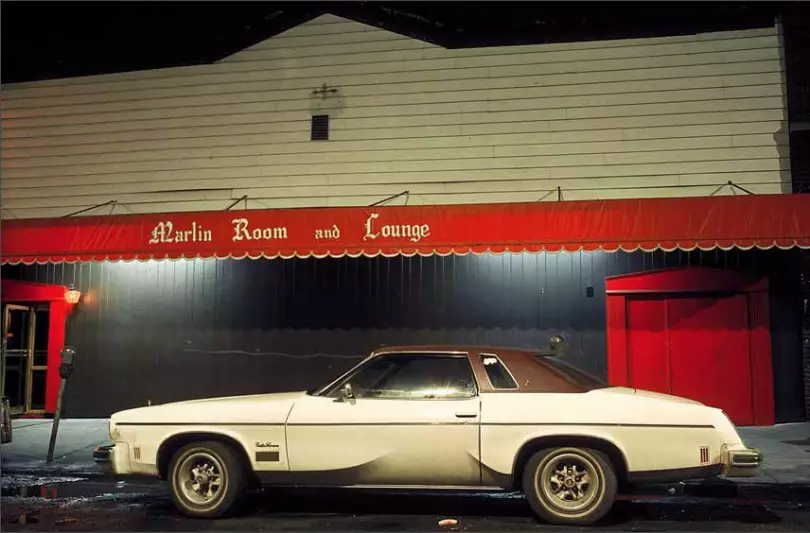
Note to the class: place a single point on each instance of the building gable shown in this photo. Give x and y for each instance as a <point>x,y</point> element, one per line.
<point>326,35</point>
<point>652,117</point>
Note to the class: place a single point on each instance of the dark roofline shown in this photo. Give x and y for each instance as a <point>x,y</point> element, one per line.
<point>43,40</point>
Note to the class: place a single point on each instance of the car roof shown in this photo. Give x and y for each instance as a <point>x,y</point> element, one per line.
<point>439,349</point>
<point>522,363</point>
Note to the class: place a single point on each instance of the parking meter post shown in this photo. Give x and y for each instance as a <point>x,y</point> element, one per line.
<point>56,417</point>
<point>65,370</point>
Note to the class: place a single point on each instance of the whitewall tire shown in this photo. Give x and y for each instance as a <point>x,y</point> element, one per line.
<point>207,479</point>
<point>570,486</point>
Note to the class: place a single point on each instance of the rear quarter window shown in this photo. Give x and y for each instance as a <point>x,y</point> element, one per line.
<point>499,376</point>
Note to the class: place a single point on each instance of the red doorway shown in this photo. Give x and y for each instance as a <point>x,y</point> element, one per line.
<point>34,353</point>
<point>694,332</point>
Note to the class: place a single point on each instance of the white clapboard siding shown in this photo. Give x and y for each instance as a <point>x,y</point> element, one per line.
<point>671,116</point>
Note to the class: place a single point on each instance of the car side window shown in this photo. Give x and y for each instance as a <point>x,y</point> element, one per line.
<point>499,376</point>
<point>415,377</point>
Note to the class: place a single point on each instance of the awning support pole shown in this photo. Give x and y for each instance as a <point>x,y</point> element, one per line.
<point>394,197</point>
<point>558,190</point>
<point>236,202</point>
<point>734,186</point>
<point>86,209</point>
<point>743,189</point>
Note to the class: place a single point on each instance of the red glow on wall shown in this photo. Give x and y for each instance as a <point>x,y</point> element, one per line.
<point>25,292</point>
<point>694,332</point>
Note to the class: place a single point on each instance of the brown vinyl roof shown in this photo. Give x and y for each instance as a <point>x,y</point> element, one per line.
<point>462,348</point>
<point>531,374</point>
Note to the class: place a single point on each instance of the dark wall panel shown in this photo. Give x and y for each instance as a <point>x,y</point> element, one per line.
<point>174,330</point>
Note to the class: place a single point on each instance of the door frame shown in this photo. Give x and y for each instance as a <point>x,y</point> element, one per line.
<point>685,280</point>
<point>27,365</point>
<point>30,293</point>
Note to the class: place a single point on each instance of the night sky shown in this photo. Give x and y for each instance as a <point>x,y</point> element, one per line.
<point>42,40</point>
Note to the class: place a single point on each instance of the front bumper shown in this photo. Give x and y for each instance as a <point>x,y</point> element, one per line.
<point>103,456</point>
<point>742,462</point>
<point>115,460</point>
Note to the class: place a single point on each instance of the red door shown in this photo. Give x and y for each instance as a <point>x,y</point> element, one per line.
<point>710,353</point>
<point>647,344</point>
<point>695,332</point>
<point>696,347</point>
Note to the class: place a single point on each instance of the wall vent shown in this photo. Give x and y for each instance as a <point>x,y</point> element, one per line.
<point>320,128</point>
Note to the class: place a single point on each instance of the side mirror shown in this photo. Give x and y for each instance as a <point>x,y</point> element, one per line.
<point>346,392</point>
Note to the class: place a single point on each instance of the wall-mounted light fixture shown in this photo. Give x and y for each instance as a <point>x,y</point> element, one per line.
<point>72,295</point>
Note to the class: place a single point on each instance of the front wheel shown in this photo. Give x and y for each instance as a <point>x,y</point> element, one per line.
<point>570,486</point>
<point>207,479</point>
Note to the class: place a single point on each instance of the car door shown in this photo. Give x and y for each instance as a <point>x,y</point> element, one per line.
<point>413,421</point>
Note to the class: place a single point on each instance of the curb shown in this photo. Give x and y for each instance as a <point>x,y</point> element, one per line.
<point>798,492</point>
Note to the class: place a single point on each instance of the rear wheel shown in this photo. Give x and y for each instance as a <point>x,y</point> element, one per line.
<point>207,479</point>
<point>570,486</point>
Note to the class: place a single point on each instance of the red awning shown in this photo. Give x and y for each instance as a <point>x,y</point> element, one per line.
<point>706,223</point>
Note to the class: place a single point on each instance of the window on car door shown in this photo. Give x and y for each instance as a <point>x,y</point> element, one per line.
<point>415,376</point>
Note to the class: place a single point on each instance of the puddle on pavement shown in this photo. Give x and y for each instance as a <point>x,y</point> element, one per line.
<point>70,488</point>
<point>803,443</point>
<point>24,518</point>
<point>10,482</point>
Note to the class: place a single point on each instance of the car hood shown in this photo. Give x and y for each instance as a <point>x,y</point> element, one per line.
<point>646,394</point>
<point>232,410</point>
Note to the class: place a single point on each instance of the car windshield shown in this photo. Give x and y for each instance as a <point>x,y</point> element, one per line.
<point>324,389</point>
<point>571,373</point>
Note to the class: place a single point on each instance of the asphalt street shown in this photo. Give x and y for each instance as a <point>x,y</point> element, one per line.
<point>35,503</point>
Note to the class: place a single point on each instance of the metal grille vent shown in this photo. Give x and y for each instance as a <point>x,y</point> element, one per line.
<point>320,128</point>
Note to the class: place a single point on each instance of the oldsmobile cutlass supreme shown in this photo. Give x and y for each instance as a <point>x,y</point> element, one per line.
<point>434,417</point>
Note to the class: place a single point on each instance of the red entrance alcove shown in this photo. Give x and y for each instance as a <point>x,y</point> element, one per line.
<point>695,332</point>
<point>25,292</point>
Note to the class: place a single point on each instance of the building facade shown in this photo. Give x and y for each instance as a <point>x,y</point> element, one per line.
<point>504,190</point>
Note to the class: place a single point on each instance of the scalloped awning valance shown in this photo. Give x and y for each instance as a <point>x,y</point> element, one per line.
<point>706,223</point>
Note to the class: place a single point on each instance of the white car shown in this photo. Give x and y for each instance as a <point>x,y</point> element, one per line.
<point>433,417</point>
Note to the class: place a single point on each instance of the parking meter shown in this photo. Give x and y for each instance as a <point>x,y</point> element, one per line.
<point>66,366</point>
<point>65,371</point>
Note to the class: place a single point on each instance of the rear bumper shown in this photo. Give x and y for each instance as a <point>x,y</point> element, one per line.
<point>741,462</point>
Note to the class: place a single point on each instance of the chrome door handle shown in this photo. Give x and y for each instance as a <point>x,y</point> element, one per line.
<point>466,415</point>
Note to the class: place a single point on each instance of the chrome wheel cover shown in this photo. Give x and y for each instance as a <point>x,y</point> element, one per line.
<point>569,482</point>
<point>201,479</point>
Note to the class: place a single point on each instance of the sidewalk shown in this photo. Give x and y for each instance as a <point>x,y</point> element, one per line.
<point>73,454</point>
<point>786,448</point>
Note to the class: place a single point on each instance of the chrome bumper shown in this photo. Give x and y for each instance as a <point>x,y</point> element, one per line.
<point>742,463</point>
<point>104,458</point>
<point>114,459</point>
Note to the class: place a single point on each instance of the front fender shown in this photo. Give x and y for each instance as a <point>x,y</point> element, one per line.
<point>170,441</point>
